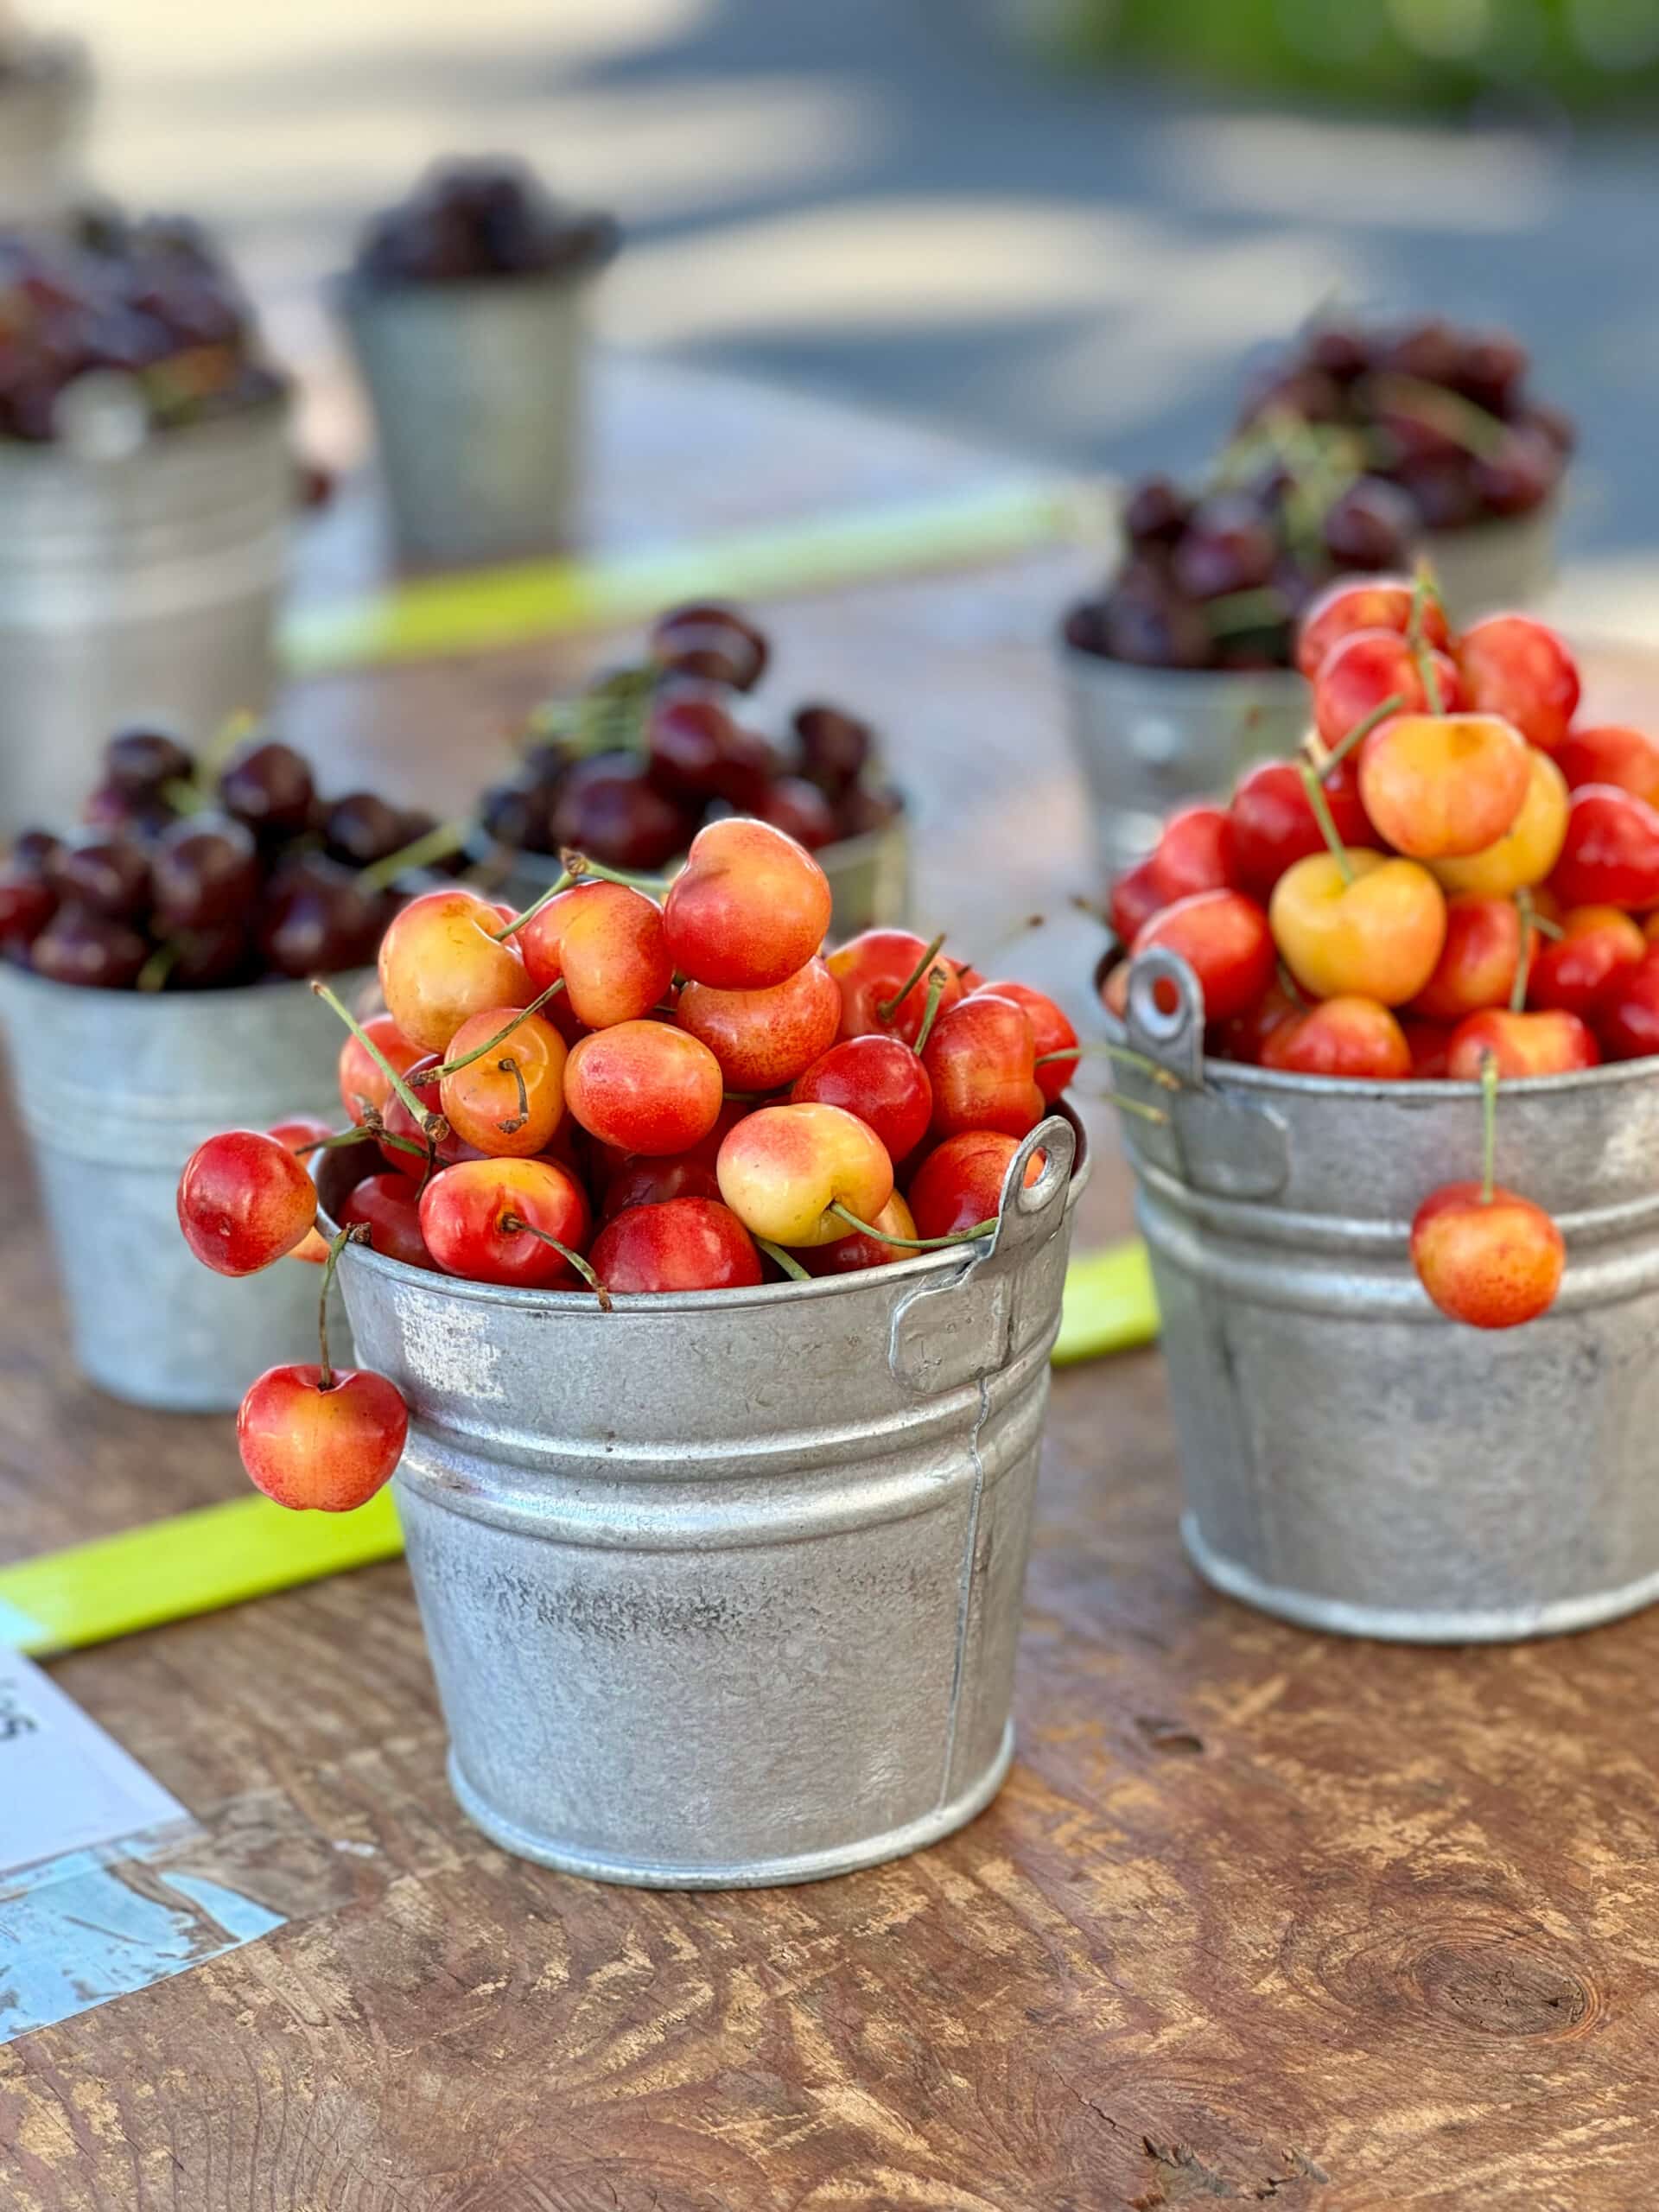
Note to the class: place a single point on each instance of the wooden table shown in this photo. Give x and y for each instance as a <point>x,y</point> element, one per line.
<point>1260,1915</point>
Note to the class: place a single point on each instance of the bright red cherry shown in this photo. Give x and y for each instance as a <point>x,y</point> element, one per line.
<point>1519,669</point>
<point>677,1244</point>
<point>881,1080</point>
<point>981,1061</point>
<point>325,1449</point>
<point>959,1184</point>
<point>245,1200</point>
<point>750,906</point>
<point>505,1221</point>
<point>387,1207</point>
<point>873,969</point>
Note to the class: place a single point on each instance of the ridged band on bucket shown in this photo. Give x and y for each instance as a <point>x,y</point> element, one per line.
<point>723,1589</point>
<point>478,390</point>
<point>138,586</point>
<point>115,1091</point>
<point>868,876</point>
<point>1352,1459</point>
<point>1151,739</point>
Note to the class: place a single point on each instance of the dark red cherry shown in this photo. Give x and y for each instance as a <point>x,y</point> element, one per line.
<point>139,761</point>
<point>90,950</point>
<point>205,872</point>
<point>710,640</point>
<point>835,747</point>
<point>106,874</point>
<point>267,786</point>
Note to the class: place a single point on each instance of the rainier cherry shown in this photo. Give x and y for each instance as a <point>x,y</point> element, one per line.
<point>1348,1037</point>
<point>792,1173</point>
<point>1373,932</point>
<point>981,1060</point>
<point>365,1087</point>
<point>959,1184</point>
<point>1052,1034</point>
<point>1610,855</point>
<point>748,908</point>
<point>1444,786</point>
<point>1364,603</point>
<point>675,1244</point>
<point>1483,1254</point>
<point>1610,754</point>
<point>881,1080</point>
<point>1528,848</point>
<point>607,942</point>
<point>1520,1043</point>
<point>764,1038</point>
<point>508,1221</point>
<point>1518,668</point>
<point>386,1206</point>
<point>1370,667</point>
<point>441,963</point>
<point>508,1101</point>
<point>1477,962</point>
<point>245,1200</point>
<point>1223,938</point>
<point>644,1086</point>
<point>303,1134</point>
<point>850,1255</point>
<point>1596,943</point>
<point>1196,851</point>
<point>884,977</point>
<point>1274,824</point>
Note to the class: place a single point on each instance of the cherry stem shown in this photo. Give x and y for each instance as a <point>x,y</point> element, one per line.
<point>1290,987</point>
<point>530,911</point>
<point>1361,730</point>
<point>377,1128</point>
<point>1316,799</point>
<point>359,1235</point>
<point>514,1122</point>
<point>1488,1124</point>
<point>513,1223</point>
<point>787,1260</point>
<point>436,844</point>
<point>912,1243</point>
<point>159,966</point>
<point>888,1008</point>
<point>479,1052</point>
<point>1134,1106</point>
<point>1523,956</point>
<point>1126,1053</point>
<point>577,866</point>
<point>937,982</point>
<point>433,1124</point>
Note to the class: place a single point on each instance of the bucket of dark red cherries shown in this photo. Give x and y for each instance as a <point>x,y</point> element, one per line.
<point>153,990</point>
<point>631,769</point>
<point>1356,452</point>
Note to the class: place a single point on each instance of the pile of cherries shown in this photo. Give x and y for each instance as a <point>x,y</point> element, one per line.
<point>638,1094</point>
<point>1455,879</point>
<point>1443,412</point>
<point>468,219</point>
<point>184,879</point>
<point>151,301</point>
<point>629,773</point>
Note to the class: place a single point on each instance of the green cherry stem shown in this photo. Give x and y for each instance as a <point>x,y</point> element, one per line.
<point>1358,734</point>
<point>512,1223</point>
<point>912,1243</point>
<point>1316,799</point>
<point>888,1008</point>
<point>1124,1053</point>
<point>360,1235</point>
<point>1523,956</point>
<point>936,988</point>
<point>1488,1124</point>
<point>153,975</point>
<point>436,844</point>
<point>512,928</point>
<point>578,866</point>
<point>787,1260</point>
<point>479,1052</point>
<point>433,1124</point>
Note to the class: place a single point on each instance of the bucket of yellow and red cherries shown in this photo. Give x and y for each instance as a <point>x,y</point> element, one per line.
<point>1386,1021</point>
<point>704,1285</point>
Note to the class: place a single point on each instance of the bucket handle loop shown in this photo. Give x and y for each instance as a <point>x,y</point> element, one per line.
<point>1212,1138</point>
<point>947,1333</point>
<point>1173,1034</point>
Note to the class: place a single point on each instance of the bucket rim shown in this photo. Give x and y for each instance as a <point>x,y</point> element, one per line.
<point>1413,1090</point>
<point>13,977</point>
<point>920,1266</point>
<point>271,413</point>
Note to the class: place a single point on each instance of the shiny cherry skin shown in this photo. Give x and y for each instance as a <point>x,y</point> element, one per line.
<point>677,1244</point>
<point>1444,786</point>
<point>1627,1011</point>
<point>138,761</point>
<point>607,808</point>
<point>1224,938</point>
<point>1610,753</point>
<point>1197,851</point>
<point>203,871</point>
<point>1492,1263</point>
<point>698,752</point>
<point>1477,960</point>
<point>1051,1032</point>
<point>711,640</point>
<point>89,951</point>
<point>800,809</point>
<point>395,1119</point>
<point>1368,667</point>
<point>1518,668</point>
<point>981,1062</point>
<point>479,1218</point>
<point>1351,1038</point>
<point>245,1200</point>
<point>106,875</point>
<point>323,1450</point>
<point>386,1206</point>
<point>1572,972</point>
<point>881,1080</point>
<point>441,963</point>
<point>763,1039</point>
<point>1378,937</point>
<point>749,908</point>
<point>835,747</point>
<point>363,1084</point>
<point>959,1184</point>
<point>1556,1043</point>
<point>872,969</point>
<point>1528,850</point>
<point>644,1087</point>
<point>360,827</point>
<point>1244,1038</point>
<point>267,786</point>
<point>1610,855</point>
<point>1361,603</point>
<point>782,1168</point>
<point>1273,825</point>
<point>318,918</point>
<point>508,1102</point>
<point>612,953</point>
<point>302,1133</point>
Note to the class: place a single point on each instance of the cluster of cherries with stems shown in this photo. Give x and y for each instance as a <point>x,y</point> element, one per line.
<point>642,1087</point>
<point>1454,876</point>
<point>473,220</point>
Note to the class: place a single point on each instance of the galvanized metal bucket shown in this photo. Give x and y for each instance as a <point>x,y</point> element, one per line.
<point>43,111</point>
<point>1353,1460</point>
<point>723,1589</point>
<point>1147,738</point>
<point>138,585</point>
<point>869,875</point>
<point>1489,568</point>
<point>478,393</point>
<point>115,1090</point>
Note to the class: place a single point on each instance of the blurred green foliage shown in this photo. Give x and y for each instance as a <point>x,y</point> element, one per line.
<point>1417,53</point>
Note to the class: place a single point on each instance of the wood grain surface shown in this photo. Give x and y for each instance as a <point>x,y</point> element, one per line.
<point>1261,1916</point>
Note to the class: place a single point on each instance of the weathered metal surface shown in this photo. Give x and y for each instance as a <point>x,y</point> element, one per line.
<point>723,1589</point>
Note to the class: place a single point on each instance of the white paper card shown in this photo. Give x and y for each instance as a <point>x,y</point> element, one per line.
<point>64,1784</point>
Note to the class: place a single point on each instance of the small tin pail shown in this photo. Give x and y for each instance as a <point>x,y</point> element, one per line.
<point>1352,1459</point>
<point>1491,568</point>
<point>723,1589</point>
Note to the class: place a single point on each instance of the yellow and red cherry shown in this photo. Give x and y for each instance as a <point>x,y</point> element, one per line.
<point>387,1207</point>
<point>1595,945</point>
<point>787,1172</point>
<point>981,1062</point>
<point>1244,1038</point>
<point>881,1080</point>
<point>245,1200</point>
<point>441,963</point>
<point>1371,666</point>
<point>304,1135</point>
<point>750,906</point>
<point>508,1101</point>
<point>644,1086</point>
<point>1352,1037</point>
<point>1610,753</point>
<point>1528,848</point>
<point>1444,786</point>
<point>1513,666</point>
<point>365,1087</point>
<point>885,976</point>
<point>959,1184</point>
<point>322,1443</point>
<point>851,1254</point>
<point>612,953</point>
<point>1365,603</point>
<point>684,1244</point>
<point>1363,926</point>
<point>1553,1043</point>
<point>506,1221</point>
<point>1477,960</point>
<point>1493,1260</point>
<point>1224,938</point>
<point>763,1039</point>
<point>1274,824</point>
<point>1052,1034</point>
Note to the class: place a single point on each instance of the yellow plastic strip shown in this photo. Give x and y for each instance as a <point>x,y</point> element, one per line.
<point>1110,1304</point>
<point>190,1563</point>
<point>430,617</point>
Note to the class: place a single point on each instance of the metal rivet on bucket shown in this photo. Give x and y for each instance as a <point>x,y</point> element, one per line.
<point>1352,1460</point>
<point>724,1589</point>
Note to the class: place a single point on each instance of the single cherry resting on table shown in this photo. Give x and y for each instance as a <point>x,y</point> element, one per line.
<point>188,874</point>
<point>1454,887</point>
<point>629,770</point>
<point>623,1094</point>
